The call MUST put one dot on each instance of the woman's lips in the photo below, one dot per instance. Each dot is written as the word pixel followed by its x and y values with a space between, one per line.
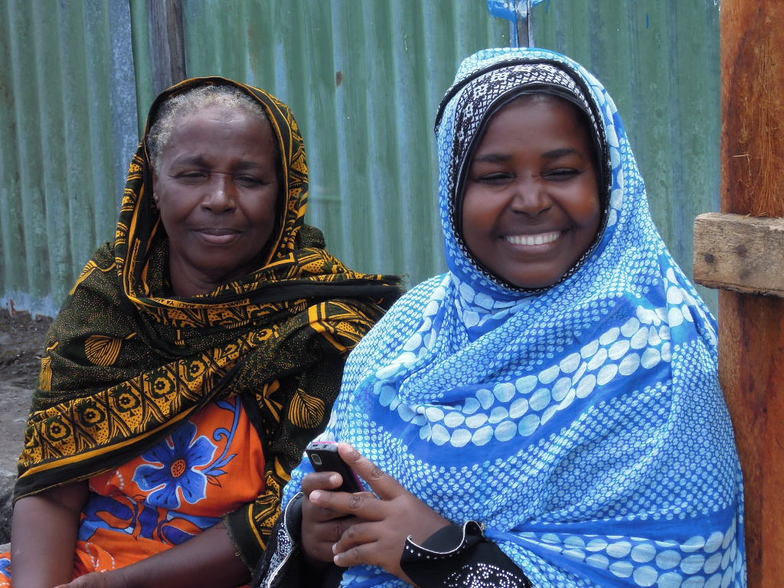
pixel 533 240
pixel 218 236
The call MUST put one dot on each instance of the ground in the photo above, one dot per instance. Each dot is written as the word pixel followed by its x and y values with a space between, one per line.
pixel 21 343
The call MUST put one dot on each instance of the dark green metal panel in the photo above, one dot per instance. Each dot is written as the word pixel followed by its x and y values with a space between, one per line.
pixel 142 47
pixel 67 111
pixel 364 79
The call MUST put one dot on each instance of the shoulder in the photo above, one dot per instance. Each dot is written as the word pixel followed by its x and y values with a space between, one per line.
pixel 406 313
pixel 96 293
pixel 403 318
pixel 99 271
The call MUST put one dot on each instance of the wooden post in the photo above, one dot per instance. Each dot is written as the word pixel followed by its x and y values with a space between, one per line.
pixel 751 341
pixel 167 43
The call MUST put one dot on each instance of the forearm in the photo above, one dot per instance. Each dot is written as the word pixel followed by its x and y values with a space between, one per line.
pixel 209 559
pixel 43 536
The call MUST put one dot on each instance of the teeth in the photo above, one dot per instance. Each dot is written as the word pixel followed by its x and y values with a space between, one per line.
pixel 539 239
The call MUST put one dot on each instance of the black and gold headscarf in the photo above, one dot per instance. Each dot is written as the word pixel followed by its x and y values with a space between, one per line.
pixel 126 361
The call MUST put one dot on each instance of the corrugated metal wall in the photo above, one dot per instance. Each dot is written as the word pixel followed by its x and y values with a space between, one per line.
pixel 68 123
pixel 364 78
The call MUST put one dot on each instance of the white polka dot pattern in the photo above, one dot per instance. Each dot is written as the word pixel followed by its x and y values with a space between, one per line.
pixel 694 561
pixel 522 405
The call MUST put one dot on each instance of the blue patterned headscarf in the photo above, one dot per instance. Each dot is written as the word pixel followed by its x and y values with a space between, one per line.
pixel 583 423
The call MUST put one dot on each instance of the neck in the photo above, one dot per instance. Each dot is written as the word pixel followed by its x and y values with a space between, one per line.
pixel 188 288
pixel 188 281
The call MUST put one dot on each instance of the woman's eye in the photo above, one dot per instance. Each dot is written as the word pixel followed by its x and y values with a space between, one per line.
pixel 561 174
pixel 192 176
pixel 493 179
pixel 248 181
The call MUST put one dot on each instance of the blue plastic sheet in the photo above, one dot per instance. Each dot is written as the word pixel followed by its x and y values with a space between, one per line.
pixel 511 9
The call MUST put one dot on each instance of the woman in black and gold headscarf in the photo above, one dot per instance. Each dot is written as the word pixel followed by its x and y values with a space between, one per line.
pixel 193 360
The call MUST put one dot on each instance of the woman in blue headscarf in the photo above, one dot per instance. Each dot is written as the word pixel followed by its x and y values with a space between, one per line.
pixel 547 412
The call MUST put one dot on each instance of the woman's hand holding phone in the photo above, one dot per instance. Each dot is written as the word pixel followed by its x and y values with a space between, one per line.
pixel 362 528
pixel 321 527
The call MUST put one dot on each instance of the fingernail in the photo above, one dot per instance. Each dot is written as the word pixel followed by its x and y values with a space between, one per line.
pixel 334 548
pixel 315 495
pixel 334 479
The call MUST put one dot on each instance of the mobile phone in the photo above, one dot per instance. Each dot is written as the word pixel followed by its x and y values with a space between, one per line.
pixel 324 457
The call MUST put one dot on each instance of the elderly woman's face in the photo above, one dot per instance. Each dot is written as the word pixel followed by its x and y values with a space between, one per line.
pixel 216 187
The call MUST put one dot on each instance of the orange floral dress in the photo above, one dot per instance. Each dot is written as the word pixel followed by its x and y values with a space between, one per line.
pixel 207 467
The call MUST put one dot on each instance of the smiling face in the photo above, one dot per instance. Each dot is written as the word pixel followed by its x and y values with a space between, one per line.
pixel 216 187
pixel 531 200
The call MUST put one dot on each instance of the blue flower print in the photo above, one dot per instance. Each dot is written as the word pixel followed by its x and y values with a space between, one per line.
pixel 5 567
pixel 176 476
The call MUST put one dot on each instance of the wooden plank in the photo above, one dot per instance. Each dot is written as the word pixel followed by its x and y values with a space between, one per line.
pixel 751 339
pixel 740 253
pixel 168 44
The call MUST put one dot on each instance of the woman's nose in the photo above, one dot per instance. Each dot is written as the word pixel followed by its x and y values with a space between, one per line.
pixel 221 193
pixel 530 197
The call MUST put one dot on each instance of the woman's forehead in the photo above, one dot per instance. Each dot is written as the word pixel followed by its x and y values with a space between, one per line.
pixel 540 98
pixel 221 111
pixel 537 119
pixel 221 123
pixel 228 127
